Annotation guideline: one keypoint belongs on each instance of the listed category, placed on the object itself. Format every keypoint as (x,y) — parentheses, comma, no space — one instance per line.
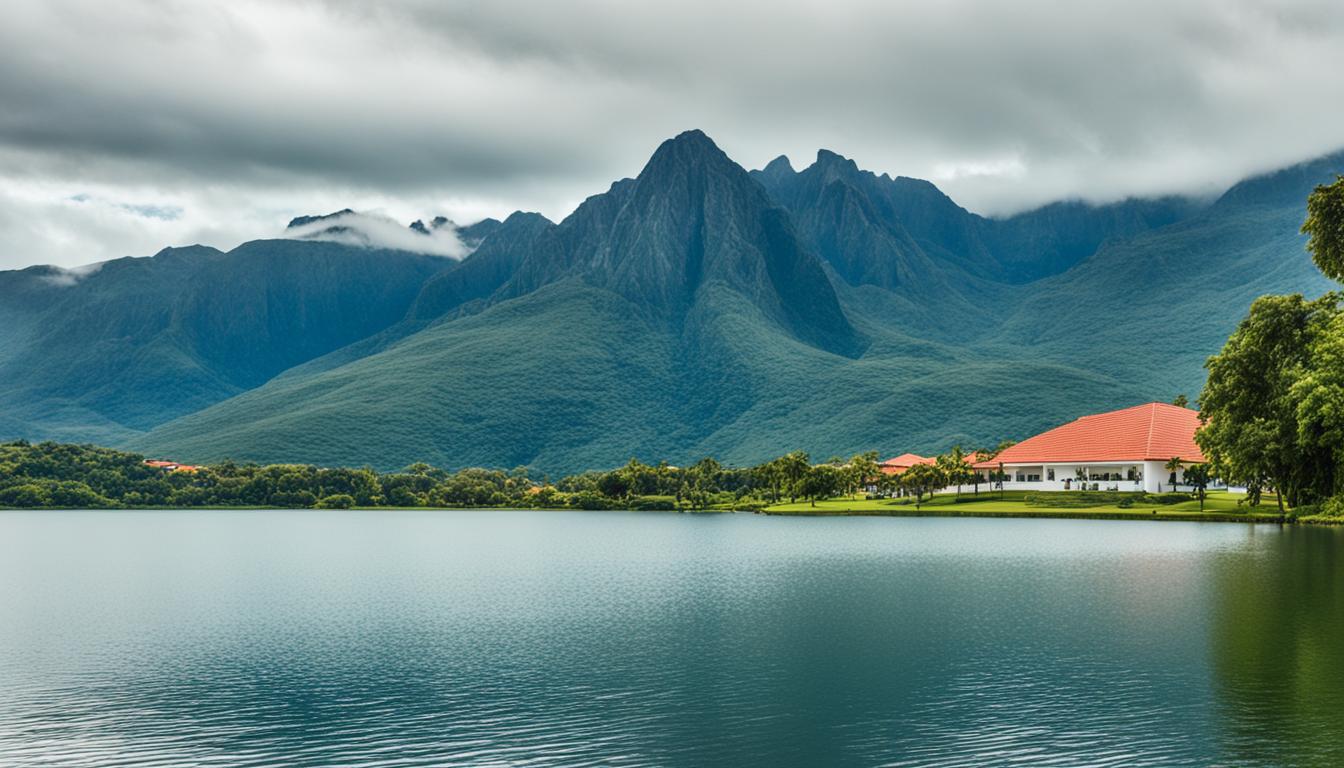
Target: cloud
(163,212)
(375,230)
(65,277)
(257,108)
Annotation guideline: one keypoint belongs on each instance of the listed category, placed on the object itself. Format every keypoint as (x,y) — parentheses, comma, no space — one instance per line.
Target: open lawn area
(1219,506)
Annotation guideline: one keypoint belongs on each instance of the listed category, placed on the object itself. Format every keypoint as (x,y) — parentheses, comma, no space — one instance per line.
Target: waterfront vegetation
(1219,506)
(54,475)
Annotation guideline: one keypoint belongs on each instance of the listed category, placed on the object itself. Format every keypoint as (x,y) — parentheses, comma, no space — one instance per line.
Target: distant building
(898,464)
(1125,450)
(170,466)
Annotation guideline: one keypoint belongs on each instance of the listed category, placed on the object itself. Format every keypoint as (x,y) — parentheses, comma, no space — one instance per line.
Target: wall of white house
(1149,476)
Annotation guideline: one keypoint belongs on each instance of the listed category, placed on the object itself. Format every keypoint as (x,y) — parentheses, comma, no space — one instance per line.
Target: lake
(394,638)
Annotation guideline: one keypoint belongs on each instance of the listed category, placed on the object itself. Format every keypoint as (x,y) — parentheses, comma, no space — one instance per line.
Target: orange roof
(171,465)
(907,460)
(1149,432)
(898,464)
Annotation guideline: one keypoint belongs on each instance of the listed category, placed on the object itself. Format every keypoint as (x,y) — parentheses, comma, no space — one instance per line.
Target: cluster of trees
(1273,404)
(83,476)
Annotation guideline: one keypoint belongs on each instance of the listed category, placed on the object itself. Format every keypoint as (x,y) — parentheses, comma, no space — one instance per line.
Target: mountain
(893,231)
(143,340)
(1151,308)
(695,309)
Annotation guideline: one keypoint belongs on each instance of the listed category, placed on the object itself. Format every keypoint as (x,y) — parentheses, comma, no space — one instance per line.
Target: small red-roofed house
(1124,450)
(171,466)
(898,464)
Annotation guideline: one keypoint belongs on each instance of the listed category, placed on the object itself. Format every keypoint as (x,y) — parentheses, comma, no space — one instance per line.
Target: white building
(1125,450)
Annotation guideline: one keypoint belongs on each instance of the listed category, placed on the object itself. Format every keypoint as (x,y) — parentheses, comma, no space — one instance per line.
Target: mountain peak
(828,160)
(686,150)
(299,221)
(779,168)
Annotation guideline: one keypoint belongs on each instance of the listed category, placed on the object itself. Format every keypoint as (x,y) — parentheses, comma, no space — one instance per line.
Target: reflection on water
(489,638)
(1277,646)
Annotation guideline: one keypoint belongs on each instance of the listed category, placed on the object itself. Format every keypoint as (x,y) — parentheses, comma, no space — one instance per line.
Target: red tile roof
(898,464)
(1149,432)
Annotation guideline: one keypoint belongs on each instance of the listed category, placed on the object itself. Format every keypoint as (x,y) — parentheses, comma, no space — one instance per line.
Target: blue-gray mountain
(696,309)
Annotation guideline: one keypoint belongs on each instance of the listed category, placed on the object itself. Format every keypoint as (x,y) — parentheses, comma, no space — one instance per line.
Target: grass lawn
(1219,505)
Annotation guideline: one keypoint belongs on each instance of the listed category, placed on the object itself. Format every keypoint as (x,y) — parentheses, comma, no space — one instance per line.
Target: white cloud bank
(376,230)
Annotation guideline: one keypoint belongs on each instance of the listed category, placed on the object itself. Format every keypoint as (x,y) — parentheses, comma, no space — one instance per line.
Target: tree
(1197,476)
(922,479)
(1173,466)
(1324,227)
(954,467)
(1250,405)
(769,475)
(1319,395)
(977,456)
(863,468)
(1181,401)
(821,481)
(794,467)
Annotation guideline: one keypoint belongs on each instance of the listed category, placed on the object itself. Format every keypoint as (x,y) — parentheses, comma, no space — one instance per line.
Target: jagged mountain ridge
(699,308)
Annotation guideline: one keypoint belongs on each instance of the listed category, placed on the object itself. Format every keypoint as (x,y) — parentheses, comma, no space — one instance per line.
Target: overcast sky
(127,126)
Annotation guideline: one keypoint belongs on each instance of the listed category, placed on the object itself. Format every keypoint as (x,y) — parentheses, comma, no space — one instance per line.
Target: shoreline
(1042,514)
(1073,514)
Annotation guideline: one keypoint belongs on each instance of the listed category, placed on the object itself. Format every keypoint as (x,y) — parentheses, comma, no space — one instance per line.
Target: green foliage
(1325,227)
(55,475)
(1271,397)
(1165,498)
(955,468)
(1333,507)
(921,480)
(1082,499)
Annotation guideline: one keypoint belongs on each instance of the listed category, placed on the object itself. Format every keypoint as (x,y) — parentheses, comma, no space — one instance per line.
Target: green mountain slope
(1150,309)
(141,341)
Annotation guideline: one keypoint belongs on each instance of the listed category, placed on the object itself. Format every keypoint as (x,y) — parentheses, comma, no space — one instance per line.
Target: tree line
(57,475)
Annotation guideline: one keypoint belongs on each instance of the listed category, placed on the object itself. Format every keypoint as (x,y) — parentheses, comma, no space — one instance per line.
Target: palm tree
(953,465)
(1197,476)
(1173,466)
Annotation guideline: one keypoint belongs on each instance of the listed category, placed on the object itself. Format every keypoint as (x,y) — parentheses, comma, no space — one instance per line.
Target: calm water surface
(632,639)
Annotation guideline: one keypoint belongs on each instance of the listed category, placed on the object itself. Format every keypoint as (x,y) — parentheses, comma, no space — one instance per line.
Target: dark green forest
(58,475)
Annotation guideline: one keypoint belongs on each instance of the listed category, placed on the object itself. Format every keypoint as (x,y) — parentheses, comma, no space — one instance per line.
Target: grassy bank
(1218,507)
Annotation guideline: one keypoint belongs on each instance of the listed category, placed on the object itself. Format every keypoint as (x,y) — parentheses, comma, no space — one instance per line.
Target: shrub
(1166,498)
(588,500)
(337,501)
(1079,499)
(1332,507)
(28,495)
(651,503)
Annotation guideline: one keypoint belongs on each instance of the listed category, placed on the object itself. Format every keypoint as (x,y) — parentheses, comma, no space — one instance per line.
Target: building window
(1050,474)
